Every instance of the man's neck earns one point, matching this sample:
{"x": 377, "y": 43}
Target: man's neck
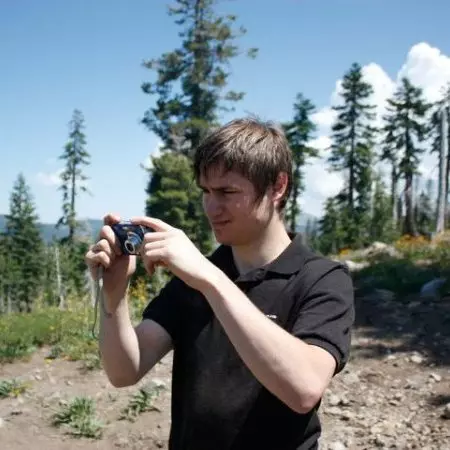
{"x": 263, "y": 250}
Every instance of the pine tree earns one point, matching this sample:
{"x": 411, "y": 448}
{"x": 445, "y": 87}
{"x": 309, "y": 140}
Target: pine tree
{"x": 73, "y": 182}
{"x": 298, "y": 133}
{"x": 406, "y": 129}
{"x": 191, "y": 80}
{"x": 331, "y": 238}
{"x": 72, "y": 178}
{"x": 390, "y": 155}
{"x": 171, "y": 183}
{"x": 352, "y": 152}
{"x": 311, "y": 233}
{"x": 5, "y": 273}
{"x": 24, "y": 247}
{"x": 49, "y": 282}
{"x": 190, "y": 90}
{"x": 381, "y": 223}
{"x": 425, "y": 211}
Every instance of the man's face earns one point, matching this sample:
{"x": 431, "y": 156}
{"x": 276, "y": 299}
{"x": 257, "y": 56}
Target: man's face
{"x": 229, "y": 201}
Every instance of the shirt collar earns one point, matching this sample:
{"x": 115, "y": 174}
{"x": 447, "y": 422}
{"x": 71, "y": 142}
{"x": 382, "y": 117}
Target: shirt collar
{"x": 290, "y": 261}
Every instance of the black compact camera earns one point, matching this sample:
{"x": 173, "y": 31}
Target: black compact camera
{"x": 130, "y": 236}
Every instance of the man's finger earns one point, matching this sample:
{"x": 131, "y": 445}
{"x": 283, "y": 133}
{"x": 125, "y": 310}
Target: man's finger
{"x": 108, "y": 234}
{"x": 156, "y": 256}
{"x": 103, "y": 246}
{"x": 97, "y": 259}
{"x": 152, "y": 245}
{"x": 111, "y": 219}
{"x": 156, "y": 236}
{"x": 151, "y": 222}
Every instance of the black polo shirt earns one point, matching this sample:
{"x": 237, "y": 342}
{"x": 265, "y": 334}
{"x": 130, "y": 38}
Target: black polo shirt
{"x": 217, "y": 403}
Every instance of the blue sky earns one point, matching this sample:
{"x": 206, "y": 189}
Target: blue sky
{"x": 59, "y": 55}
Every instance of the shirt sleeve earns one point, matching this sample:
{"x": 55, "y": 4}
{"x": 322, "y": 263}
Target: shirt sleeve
{"x": 326, "y": 315}
{"x": 168, "y": 308}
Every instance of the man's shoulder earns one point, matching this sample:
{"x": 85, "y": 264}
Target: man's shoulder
{"x": 318, "y": 271}
{"x": 319, "y": 263}
{"x": 298, "y": 257}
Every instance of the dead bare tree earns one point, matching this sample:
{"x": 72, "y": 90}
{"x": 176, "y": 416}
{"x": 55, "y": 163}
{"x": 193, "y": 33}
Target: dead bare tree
{"x": 442, "y": 200}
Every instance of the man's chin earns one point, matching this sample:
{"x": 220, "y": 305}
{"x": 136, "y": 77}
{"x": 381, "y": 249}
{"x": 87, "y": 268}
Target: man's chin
{"x": 226, "y": 239}
{"x": 222, "y": 239}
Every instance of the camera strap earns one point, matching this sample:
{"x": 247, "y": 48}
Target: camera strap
{"x": 99, "y": 299}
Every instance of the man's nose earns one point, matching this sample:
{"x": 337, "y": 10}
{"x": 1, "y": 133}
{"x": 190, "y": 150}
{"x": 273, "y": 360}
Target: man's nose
{"x": 213, "y": 206}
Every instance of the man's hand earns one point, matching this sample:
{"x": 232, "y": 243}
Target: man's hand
{"x": 118, "y": 268}
{"x": 170, "y": 247}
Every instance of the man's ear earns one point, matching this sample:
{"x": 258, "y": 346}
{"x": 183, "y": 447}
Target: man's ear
{"x": 280, "y": 187}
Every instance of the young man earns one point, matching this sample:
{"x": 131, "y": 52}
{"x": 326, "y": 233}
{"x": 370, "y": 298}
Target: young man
{"x": 258, "y": 329}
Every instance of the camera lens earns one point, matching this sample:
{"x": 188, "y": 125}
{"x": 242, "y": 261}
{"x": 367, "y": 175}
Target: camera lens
{"x": 130, "y": 247}
{"x": 132, "y": 243}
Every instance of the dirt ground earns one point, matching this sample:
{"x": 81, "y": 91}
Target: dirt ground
{"x": 394, "y": 392}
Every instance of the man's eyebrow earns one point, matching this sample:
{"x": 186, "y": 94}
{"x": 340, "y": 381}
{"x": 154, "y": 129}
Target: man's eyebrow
{"x": 219, "y": 187}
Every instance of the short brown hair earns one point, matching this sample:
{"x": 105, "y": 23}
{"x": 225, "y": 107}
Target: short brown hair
{"x": 257, "y": 150}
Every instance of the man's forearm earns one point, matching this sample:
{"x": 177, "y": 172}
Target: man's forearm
{"x": 289, "y": 368}
{"x": 119, "y": 346}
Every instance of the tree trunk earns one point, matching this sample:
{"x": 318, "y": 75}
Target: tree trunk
{"x": 442, "y": 199}
{"x": 9, "y": 303}
{"x": 410, "y": 227}
{"x": 294, "y": 200}
{"x": 72, "y": 207}
{"x": 447, "y": 173}
{"x": 58, "y": 279}
{"x": 394, "y": 197}
{"x": 351, "y": 186}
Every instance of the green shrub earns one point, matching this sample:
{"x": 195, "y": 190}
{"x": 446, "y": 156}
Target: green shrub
{"x": 66, "y": 332}
{"x": 79, "y": 418}
{"x": 12, "y": 388}
{"x": 401, "y": 276}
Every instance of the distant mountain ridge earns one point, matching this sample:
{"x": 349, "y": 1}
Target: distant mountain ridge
{"x": 92, "y": 227}
{"x": 49, "y": 231}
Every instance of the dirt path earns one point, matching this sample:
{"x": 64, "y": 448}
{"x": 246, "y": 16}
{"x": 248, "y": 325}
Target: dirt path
{"x": 394, "y": 393}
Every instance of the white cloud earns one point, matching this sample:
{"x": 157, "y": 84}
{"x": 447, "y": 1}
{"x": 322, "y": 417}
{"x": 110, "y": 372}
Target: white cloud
{"x": 147, "y": 163}
{"x": 320, "y": 184}
{"x": 321, "y": 143}
{"x": 383, "y": 87}
{"x": 336, "y": 95}
{"x": 54, "y": 179}
{"x": 426, "y": 66}
{"x": 429, "y": 167}
{"x": 324, "y": 118}
{"x": 49, "y": 178}
{"x": 325, "y": 183}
